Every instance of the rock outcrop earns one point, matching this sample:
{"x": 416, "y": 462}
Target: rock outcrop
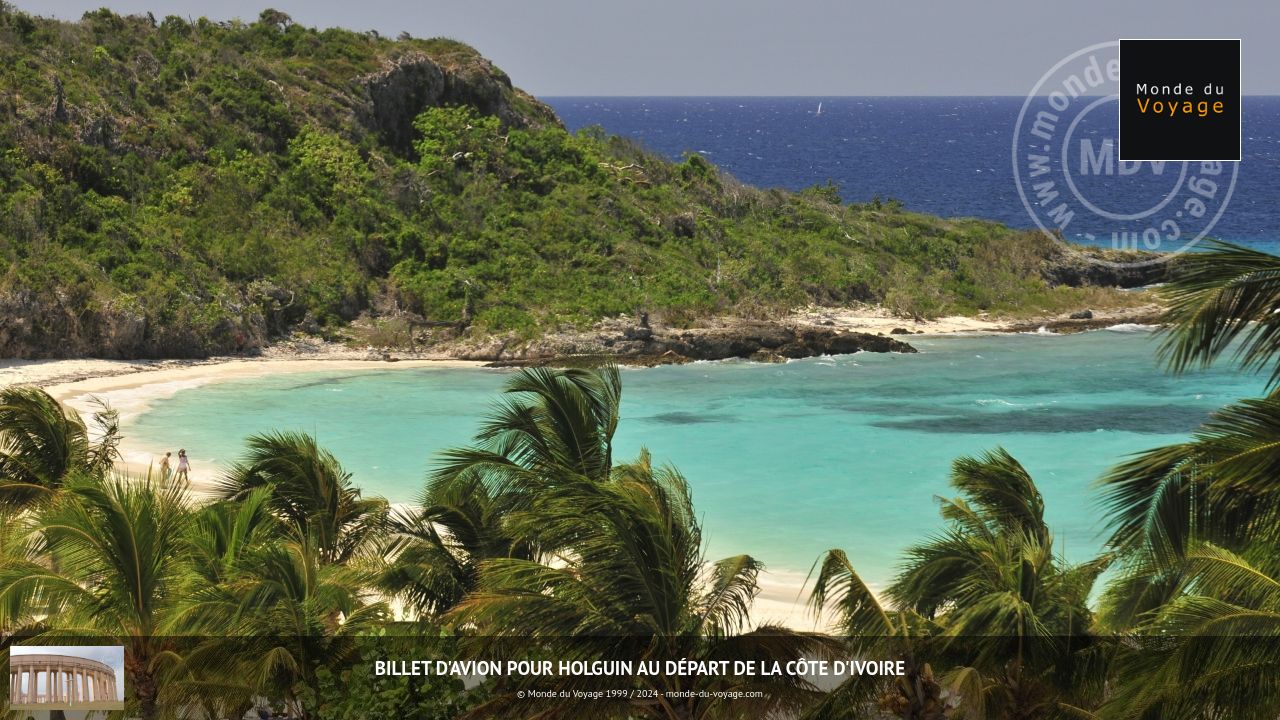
{"x": 414, "y": 82}
{"x": 1089, "y": 320}
{"x": 1107, "y": 268}
{"x": 37, "y": 326}
{"x": 755, "y": 340}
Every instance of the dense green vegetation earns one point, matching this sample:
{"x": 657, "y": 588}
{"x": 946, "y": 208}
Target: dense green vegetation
{"x": 1005, "y": 620}
{"x": 175, "y": 188}
{"x": 535, "y": 542}
{"x": 286, "y": 584}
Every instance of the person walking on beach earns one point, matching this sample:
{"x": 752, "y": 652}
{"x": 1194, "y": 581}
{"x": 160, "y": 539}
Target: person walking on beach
{"x": 165, "y": 470}
{"x": 184, "y": 467}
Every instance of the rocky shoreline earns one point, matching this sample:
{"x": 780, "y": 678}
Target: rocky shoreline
{"x": 805, "y": 334}
{"x": 627, "y": 341}
{"x": 642, "y": 344}
{"x": 1088, "y": 320}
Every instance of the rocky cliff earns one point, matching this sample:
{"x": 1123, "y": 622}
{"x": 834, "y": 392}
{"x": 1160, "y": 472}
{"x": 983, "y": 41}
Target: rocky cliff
{"x": 409, "y": 84}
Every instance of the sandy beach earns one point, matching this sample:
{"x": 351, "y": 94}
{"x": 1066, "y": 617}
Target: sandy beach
{"x": 877, "y": 320}
{"x": 131, "y": 386}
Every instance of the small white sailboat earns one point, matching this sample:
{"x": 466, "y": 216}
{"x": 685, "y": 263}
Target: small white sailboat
{"x": 819, "y": 111}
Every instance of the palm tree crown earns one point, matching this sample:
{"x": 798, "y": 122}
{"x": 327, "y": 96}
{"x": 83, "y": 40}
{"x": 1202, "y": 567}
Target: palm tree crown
{"x": 309, "y": 490}
{"x": 987, "y": 597}
{"x": 43, "y": 443}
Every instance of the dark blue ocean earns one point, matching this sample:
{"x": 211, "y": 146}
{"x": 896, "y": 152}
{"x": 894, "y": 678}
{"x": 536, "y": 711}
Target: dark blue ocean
{"x": 948, "y": 156}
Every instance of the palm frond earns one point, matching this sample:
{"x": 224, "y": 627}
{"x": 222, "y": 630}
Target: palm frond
{"x": 42, "y": 443}
{"x": 1002, "y": 490}
{"x": 311, "y": 490}
{"x": 1226, "y": 294}
{"x": 726, "y": 606}
{"x": 838, "y": 586}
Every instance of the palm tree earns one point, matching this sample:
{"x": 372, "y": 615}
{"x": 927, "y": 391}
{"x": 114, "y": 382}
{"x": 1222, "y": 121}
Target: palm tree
{"x": 871, "y": 630}
{"x": 554, "y": 426}
{"x": 436, "y": 550}
{"x": 1212, "y": 650}
{"x": 43, "y": 443}
{"x": 1217, "y": 487}
{"x": 987, "y": 598}
{"x": 558, "y": 423}
{"x": 630, "y": 583}
{"x": 1227, "y": 294}
{"x": 310, "y": 491}
{"x": 281, "y": 612}
{"x": 219, "y": 540}
{"x": 1195, "y": 525}
{"x": 116, "y": 552}
{"x": 1221, "y": 486}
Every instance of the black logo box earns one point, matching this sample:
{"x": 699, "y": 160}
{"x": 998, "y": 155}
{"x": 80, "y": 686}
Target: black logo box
{"x": 1180, "y": 64}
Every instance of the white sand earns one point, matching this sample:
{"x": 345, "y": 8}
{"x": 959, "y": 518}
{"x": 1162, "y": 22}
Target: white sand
{"x": 782, "y": 601}
{"x": 129, "y": 387}
{"x": 875, "y": 319}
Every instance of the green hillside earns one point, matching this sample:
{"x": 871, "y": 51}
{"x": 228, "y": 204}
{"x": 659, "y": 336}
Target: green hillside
{"x": 170, "y": 188}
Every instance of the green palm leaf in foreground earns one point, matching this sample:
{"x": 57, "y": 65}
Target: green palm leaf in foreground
{"x": 1226, "y": 294}
{"x": 311, "y": 491}
{"x": 1222, "y": 486}
{"x": 986, "y": 599}
{"x": 631, "y": 583}
{"x": 1196, "y": 527}
{"x": 1211, "y": 651}
{"x": 43, "y": 443}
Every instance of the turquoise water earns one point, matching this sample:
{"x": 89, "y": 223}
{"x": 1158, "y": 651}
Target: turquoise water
{"x": 785, "y": 460}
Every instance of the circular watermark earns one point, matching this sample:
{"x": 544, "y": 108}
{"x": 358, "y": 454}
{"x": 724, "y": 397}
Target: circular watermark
{"x": 1073, "y": 184}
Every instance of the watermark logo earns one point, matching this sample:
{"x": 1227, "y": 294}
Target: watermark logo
{"x": 1071, "y": 180}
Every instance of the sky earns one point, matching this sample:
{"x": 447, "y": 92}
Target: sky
{"x": 112, "y": 655}
{"x": 767, "y": 47}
